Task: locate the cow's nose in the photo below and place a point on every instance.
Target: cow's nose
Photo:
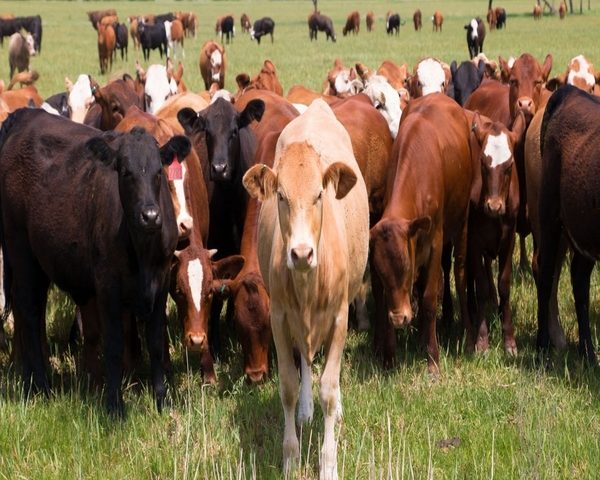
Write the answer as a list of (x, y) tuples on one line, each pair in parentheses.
[(302, 256), (220, 169), (494, 207), (185, 226), (151, 217), (195, 342), (525, 104)]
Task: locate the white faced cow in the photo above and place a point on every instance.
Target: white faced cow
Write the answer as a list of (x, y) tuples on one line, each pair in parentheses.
[(313, 243)]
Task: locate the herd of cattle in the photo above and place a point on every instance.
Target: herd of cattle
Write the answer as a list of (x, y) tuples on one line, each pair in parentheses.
[(124, 193)]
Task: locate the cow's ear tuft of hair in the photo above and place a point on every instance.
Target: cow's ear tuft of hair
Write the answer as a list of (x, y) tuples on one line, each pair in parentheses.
[(228, 267), (190, 120), (253, 111), (179, 146), (100, 150), (341, 177), (260, 181)]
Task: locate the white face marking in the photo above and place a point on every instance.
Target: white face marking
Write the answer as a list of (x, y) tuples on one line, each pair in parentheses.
[(379, 89), (215, 65), (157, 87), (30, 44), (195, 277), (473, 29), (584, 72), (301, 236), (184, 217), (80, 97), (431, 75), (342, 82), (498, 149), (222, 93)]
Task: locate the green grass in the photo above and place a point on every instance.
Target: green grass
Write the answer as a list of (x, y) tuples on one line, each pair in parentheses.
[(513, 418)]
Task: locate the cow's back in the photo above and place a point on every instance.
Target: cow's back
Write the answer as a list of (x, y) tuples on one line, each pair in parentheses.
[(491, 100)]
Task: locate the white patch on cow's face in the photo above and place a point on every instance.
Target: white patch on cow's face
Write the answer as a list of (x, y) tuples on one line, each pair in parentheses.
[(158, 87), (30, 44), (185, 222), (221, 93), (584, 71), (431, 76), (216, 59), (473, 29), (498, 149), (386, 100), (342, 82), (511, 62), (80, 98), (195, 278)]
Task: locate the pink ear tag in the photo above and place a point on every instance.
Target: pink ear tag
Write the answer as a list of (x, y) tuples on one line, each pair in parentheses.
[(175, 171)]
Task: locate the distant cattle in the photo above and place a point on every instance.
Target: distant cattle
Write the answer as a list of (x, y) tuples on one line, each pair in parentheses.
[(475, 36), (437, 20), (225, 27), (370, 20), (265, 80), (262, 27), (189, 20), (491, 18), (392, 23), (562, 10), (20, 49), (320, 23), (569, 147), (175, 36), (107, 41), (133, 31), (465, 79), (313, 237), (417, 20), (122, 40), (213, 63), (245, 23), (97, 15), (352, 24), (151, 38), (500, 17), (32, 25), (537, 12), (130, 231)]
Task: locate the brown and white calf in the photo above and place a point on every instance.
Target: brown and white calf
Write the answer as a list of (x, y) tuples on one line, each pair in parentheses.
[(213, 63), (313, 243)]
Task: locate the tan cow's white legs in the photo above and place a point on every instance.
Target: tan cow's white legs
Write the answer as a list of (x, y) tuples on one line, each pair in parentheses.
[(306, 406)]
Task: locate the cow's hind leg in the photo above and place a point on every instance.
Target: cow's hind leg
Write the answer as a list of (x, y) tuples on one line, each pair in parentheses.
[(581, 270)]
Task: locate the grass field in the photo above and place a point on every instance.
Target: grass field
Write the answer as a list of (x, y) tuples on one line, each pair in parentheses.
[(487, 416)]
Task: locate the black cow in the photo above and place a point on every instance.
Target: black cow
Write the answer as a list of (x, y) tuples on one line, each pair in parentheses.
[(60, 102), (568, 204), (475, 36), (122, 39), (227, 28), (33, 25), (500, 17), (465, 79), (92, 213), (392, 24), (262, 27), (164, 17), (320, 23), (152, 37)]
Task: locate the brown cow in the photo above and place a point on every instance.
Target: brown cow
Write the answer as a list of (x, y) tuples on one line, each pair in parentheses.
[(352, 24), (417, 19), (313, 238), (189, 20), (492, 224), (427, 206), (112, 102), (213, 63), (437, 20), (370, 20), (491, 18), (537, 12), (245, 22), (175, 35), (562, 10), (109, 20), (133, 31), (265, 80), (107, 41), (580, 73), (341, 81), (97, 15), (12, 100)]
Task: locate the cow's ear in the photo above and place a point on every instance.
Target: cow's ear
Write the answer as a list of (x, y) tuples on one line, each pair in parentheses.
[(476, 128), (504, 70), (453, 68), (481, 66), (101, 150), (253, 111), (179, 146), (260, 181), (242, 80), (190, 120), (341, 176), (547, 67), (419, 224), (228, 268)]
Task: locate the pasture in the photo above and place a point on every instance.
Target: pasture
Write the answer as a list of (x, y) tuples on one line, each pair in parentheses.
[(486, 416)]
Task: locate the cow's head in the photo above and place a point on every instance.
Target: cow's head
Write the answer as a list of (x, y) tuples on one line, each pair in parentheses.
[(526, 79), (393, 246), (30, 44), (301, 188), (267, 78), (428, 77), (386, 100), (580, 73), (139, 163), (196, 280), (159, 85), (497, 161), (80, 97), (466, 78), (221, 124)]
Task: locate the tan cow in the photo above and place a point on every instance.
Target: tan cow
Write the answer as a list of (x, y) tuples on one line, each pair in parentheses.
[(437, 20), (313, 243)]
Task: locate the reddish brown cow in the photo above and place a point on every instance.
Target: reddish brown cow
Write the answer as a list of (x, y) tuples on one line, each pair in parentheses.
[(265, 80), (417, 19), (133, 31), (537, 12), (112, 102), (341, 81), (562, 10), (245, 22), (492, 224), (370, 19), (107, 41), (109, 20), (213, 63), (437, 20), (491, 18), (97, 15), (427, 206), (352, 24), (189, 21)]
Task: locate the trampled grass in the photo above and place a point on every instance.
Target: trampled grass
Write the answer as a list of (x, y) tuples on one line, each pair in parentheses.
[(487, 416)]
